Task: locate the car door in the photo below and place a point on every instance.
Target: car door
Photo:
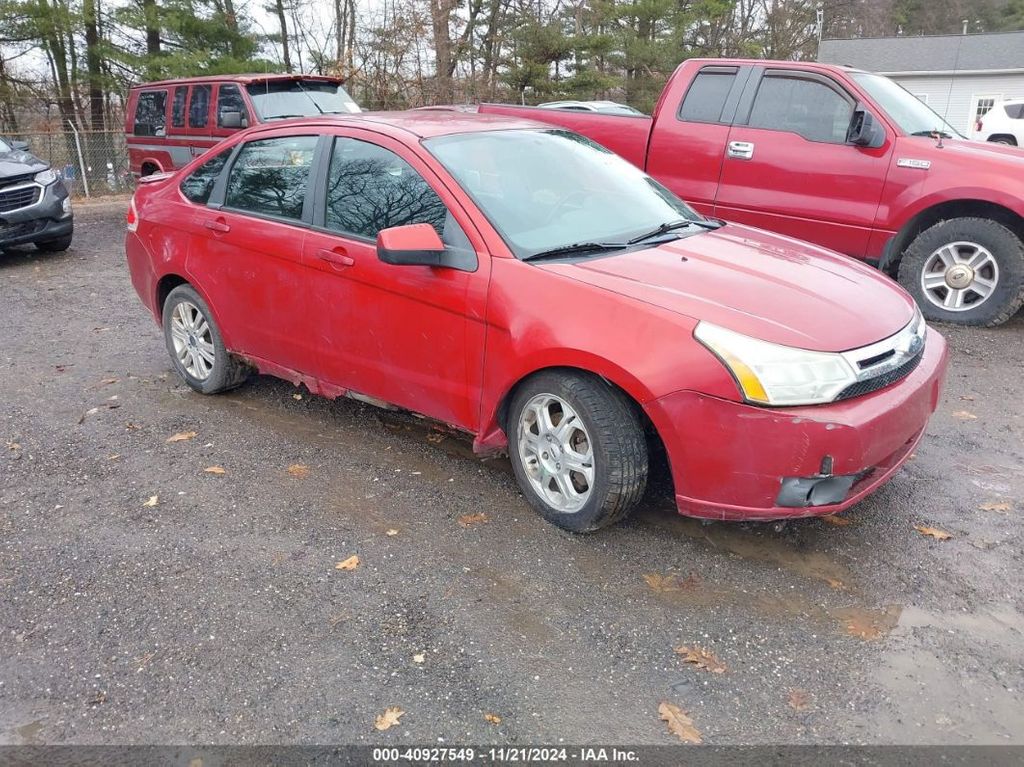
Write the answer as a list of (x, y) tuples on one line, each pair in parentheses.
[(788, 167), (408, 335), (246, 253)]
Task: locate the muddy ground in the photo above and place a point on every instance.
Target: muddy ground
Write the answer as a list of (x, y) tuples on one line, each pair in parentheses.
[(217, 615)]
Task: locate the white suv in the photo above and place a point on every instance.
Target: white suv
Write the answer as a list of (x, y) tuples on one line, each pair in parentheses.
[(1002, 124)]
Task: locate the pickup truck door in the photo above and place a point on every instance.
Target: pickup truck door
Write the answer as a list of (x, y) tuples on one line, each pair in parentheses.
[(789, 169), (688, 140), (409, 335)]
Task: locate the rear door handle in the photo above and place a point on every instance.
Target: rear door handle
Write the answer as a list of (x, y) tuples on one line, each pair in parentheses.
[(217, 225), (336, 257), (740, 150)]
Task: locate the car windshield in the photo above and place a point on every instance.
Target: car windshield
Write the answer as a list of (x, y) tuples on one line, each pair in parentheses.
[(913, 116), (275, 100), (544, 190), (4, 146)]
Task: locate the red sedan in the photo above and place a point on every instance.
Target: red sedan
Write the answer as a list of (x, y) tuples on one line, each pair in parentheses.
[(525, 285)]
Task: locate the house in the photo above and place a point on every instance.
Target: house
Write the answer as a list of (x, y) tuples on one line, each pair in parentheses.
[(958, 76)]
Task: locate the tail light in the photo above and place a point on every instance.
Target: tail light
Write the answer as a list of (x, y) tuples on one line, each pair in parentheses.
[(132, 219)]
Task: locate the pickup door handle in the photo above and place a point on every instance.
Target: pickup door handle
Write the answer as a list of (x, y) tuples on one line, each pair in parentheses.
[(336, 257), (740, 150), (217, 225)]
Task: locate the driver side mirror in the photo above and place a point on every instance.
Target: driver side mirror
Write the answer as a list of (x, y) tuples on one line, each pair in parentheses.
[(233, 120), (412, 245), (865, 130)]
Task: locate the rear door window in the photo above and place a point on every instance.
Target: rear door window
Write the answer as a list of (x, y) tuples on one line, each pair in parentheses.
[(270, 177), (199, 106), (707, 95), (229, 99), (150, 114), (178, 106), (806, 107)]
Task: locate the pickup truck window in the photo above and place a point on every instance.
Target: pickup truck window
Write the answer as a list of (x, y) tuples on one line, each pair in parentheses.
[(706, 97), (913, 116), (803, 106), (547, 190)]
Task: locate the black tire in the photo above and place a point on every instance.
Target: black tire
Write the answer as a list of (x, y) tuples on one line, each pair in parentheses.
[(55, 246), (612, 423), (1007, 250), (226, 371)]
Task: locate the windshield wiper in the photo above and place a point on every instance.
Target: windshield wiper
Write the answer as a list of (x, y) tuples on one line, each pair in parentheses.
[(577, 247), (283, 117), (931, 133), (668, 226)]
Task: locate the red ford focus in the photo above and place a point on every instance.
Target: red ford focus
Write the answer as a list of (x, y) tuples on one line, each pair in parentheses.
[(526, 286)]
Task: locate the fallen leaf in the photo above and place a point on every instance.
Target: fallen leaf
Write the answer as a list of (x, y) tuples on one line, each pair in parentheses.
[(492, 718), (296, 396), (679, 724), (215, 470), (799, 699), (832, 519), (348, 564), (995, 506), (153, 501), (419, 657), (391, 533), (389, 718), (701, 658), (934, 532), (181, 436), (113, 457), (108, 381), (967, 397), (98, 698), (435, 437), (298, 470), (13, 446), (964, 415), (671, 582), (468, 520), (835, 583)]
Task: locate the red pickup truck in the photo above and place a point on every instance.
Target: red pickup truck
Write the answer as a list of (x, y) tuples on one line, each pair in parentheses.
[(839, 157)]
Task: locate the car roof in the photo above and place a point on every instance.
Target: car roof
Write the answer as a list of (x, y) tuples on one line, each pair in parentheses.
[(244, 79), (419, 123)]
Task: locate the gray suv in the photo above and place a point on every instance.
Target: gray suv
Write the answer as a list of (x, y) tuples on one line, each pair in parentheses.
[(34, 203)]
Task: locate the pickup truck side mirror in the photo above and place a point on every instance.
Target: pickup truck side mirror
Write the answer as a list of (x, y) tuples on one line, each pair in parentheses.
[(233, 120), (412, 245), (865, 130)]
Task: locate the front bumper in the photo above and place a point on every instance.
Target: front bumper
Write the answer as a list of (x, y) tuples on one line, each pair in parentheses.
[(44, 220), (732, 461)]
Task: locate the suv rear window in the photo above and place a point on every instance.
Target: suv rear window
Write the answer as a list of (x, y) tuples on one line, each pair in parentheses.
[(150, 117), (1015, 111), (706, 97)]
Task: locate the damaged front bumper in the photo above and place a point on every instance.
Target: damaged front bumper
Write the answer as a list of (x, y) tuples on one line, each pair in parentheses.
[(733, 461)]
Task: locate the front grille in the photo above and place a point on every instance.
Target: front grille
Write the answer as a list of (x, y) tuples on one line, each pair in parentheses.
[(880, 382), (25, 228), (24, 178), (12, 199)]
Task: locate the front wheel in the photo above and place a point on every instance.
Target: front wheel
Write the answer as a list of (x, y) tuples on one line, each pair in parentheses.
[(968, 271), (578, 449), (195, 345)]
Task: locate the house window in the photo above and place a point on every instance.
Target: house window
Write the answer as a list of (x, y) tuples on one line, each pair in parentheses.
[(982, 104)]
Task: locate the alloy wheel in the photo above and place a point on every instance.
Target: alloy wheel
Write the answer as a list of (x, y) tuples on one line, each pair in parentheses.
[(959, 276), (192, 340), (556, 452)]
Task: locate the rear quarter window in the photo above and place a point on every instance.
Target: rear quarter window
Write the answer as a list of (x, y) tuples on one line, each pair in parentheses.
[(198, 185), (150, 114)]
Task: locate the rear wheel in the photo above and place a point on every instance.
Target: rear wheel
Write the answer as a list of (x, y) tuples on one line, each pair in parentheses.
[(968, 271), (578, 449), (195, 345)]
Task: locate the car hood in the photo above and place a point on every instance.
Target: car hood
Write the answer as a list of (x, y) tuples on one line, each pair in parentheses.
[(757, 283), (17, 163)]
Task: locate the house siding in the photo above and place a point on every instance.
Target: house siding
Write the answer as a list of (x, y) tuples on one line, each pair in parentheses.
[(955, 98)]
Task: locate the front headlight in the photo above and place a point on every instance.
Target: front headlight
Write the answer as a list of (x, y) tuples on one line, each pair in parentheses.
[(770, 374), (46, 177)]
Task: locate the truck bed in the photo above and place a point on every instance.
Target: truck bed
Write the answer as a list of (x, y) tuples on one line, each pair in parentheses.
[(626, 135)]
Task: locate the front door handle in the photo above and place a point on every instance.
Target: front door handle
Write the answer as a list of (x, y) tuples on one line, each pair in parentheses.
[(741, 150), (336, 257), (217, 225)]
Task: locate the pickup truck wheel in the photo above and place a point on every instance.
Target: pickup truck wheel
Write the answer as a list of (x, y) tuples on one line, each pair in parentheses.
[(577, 449), (195, 345), (968, 271)]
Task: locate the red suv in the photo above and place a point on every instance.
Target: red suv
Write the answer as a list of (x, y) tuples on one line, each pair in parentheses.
[(167, 123), (527, 286)]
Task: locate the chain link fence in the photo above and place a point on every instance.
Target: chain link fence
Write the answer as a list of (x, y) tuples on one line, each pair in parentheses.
[(92, 163)]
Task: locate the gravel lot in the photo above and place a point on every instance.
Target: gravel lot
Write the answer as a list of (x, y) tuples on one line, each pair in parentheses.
[(217, 615)]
